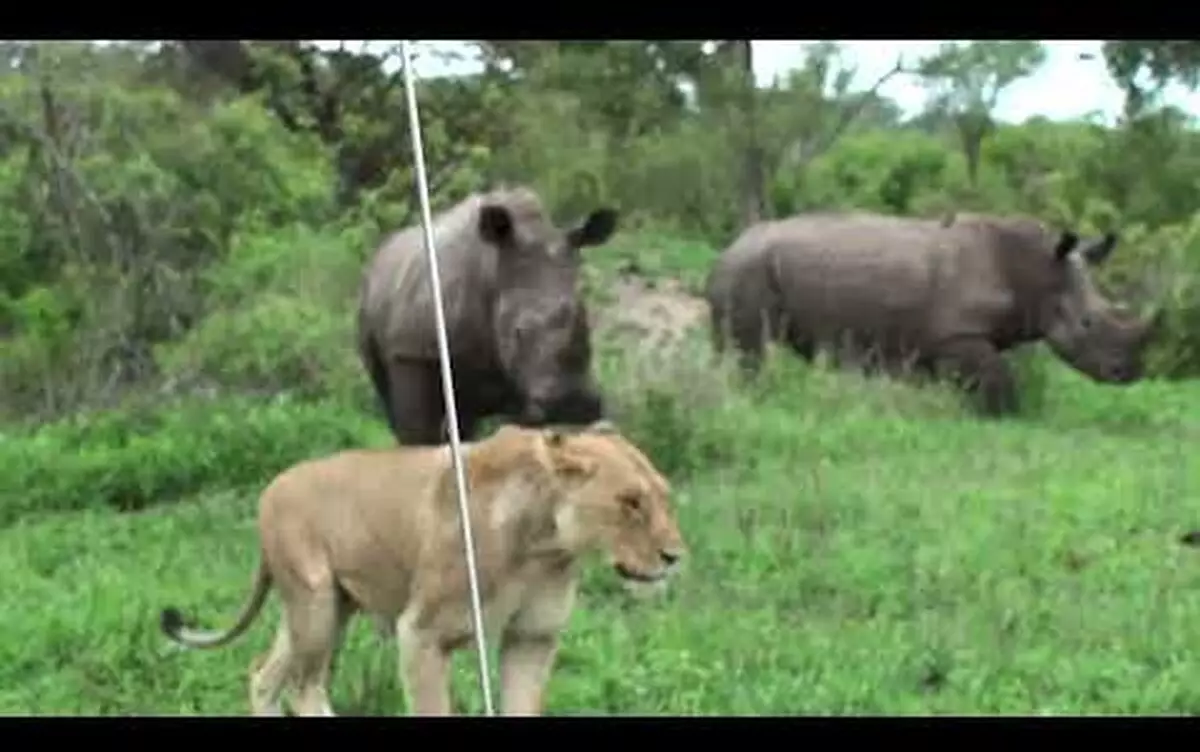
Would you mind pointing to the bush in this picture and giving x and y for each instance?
(116, 192)
(895, 173)
(273, 344)
(282, 315)
(1160, 268)
(131, 459)
(693, 413)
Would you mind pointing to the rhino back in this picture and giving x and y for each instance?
(910, 279)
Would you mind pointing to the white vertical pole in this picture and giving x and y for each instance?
(414, 126)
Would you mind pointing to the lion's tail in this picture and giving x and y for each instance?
(172, 621)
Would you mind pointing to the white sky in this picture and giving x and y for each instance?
(1065, 86)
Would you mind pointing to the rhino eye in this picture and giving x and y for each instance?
(1085, 321)
(525, 326)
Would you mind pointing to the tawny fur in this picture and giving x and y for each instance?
(378, 531)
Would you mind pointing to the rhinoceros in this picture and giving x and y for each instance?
(945, 296)
(516, 322)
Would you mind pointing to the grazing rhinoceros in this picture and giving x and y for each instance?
(945, 296)
(517, 325)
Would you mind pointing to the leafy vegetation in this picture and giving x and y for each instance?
(182, 229)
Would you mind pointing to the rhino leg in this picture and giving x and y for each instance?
(468, 420)
(479, 395)
(748, 329)
(798, 340)
(716, 325)
(415, 401)
(747, 316)
(979, 369)
(805, 349)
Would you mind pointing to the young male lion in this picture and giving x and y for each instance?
(378, 531)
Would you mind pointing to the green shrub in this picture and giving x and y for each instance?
(282, 317)
(116, 192)
(274, 344)
(880, 171)
(132, 459)
(1160, 268)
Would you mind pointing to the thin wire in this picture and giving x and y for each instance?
(414, 126)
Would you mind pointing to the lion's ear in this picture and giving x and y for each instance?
(564, 459)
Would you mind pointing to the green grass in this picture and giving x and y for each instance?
(856, 548)
(653, 255)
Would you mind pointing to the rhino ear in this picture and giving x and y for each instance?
(1098, 250)
(595, 230)
(495, 224)
(1066, 243)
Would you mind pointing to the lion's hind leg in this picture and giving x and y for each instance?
(315, 623)
(269, 675)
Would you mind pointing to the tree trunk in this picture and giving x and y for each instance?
(753, 199)
(973, 128)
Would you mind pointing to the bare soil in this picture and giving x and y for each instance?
(657, 312)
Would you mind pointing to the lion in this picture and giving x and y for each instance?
(378, 531)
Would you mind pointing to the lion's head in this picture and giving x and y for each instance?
(612, 498)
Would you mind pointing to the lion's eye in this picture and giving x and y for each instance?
(632, 502)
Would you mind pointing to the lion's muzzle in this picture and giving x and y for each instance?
(669, 559)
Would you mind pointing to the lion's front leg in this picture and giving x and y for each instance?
(525, 664)
(424, 670)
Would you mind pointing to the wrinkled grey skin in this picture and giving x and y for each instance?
(516, 321)
(944, 296)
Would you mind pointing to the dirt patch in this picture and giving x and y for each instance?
(655, 312)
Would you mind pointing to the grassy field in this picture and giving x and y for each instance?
(857, 547)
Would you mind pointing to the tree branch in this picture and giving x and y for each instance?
(851, 113)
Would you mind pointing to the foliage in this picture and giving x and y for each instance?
(966, 81)
(1143, 68)
(198, 212)
(182, 232)
(130, 459)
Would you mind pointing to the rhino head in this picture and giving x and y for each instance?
(1081, 326)
(540, 322)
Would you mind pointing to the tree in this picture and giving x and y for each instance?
(753, 188)
(1162, 61)
(626, 88)
(351, 101)
(965, 82)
